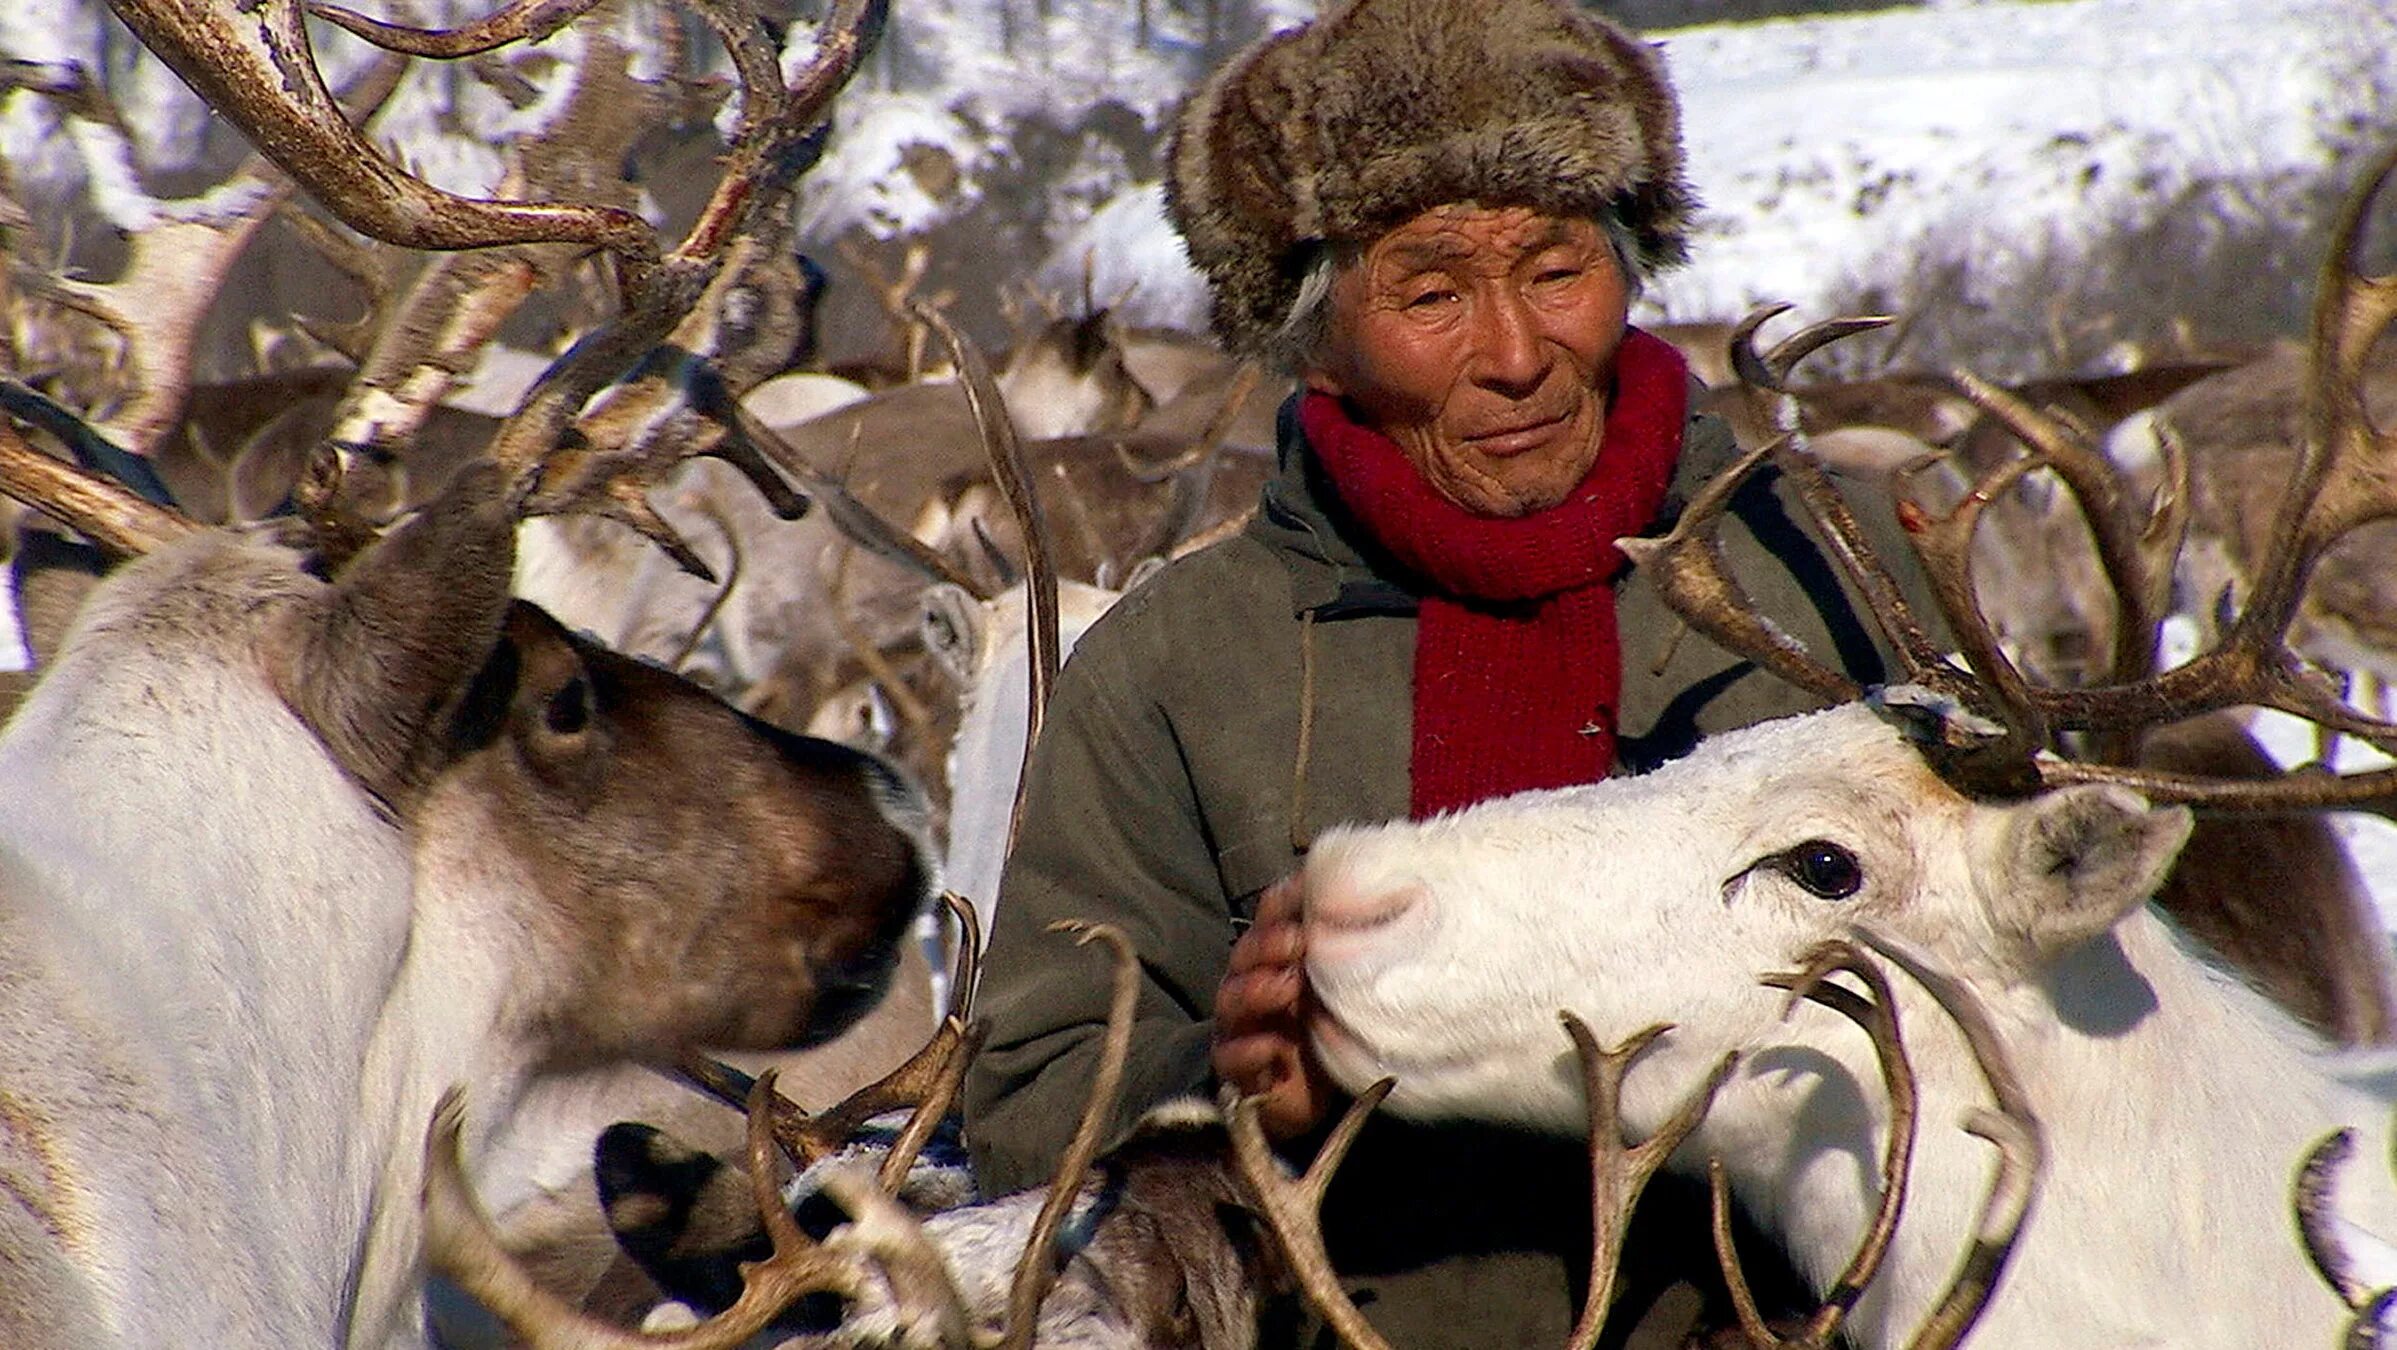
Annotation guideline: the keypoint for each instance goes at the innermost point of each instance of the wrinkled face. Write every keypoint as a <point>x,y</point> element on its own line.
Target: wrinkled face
<point>1483,341</point>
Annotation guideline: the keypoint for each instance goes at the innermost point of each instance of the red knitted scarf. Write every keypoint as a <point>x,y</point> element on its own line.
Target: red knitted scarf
<point>1517,664</point>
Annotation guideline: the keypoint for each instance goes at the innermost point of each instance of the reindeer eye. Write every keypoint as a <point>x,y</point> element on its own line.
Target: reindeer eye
<point>1823,868</point>
<point>569,709</point>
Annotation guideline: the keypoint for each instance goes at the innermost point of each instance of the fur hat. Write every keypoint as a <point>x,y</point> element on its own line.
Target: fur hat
<point>1339,129</point>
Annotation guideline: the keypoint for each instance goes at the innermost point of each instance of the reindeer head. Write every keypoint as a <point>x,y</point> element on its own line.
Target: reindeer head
<point>704,878</point>
<point>1441,951</point>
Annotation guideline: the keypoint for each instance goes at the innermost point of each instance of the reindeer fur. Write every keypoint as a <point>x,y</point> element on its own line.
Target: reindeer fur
<point>282,859</point>
<point>2176,1100</point>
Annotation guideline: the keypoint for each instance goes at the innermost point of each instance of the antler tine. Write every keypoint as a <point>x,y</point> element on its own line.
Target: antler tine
<point>1619,1175</point>
<point>254,66</point>
<point>176,269</point>
<point>2344,475</point>
<point>894,289</point>
<point>178,265</point>
<point>1037,1270</point>
<point>1015,484</point>
<point>928,1081</point>
<point>2128,561</point>
<point>734,563</point>
<point>1771,370</point>
<point>2013,1128</point>
<point>966,979</point>
<point>674,408</point>
<point>1695,580</point>
<point>2311,1201</point>
<point>1210,438</point>
<point>157,306</point>
<point>106,513</point>
<point>1944,546</point>
<point>65,83</point>
<point>461,1244</point>
<point>2317,1228</point>
<point>1293,1208</point>
<point>924,1294</point>
<point>1876,1014</point>
<point>354,257</point>
<point>857,522</point>
<point>770,154</point>
<point>1925,664</point>
<point>519,21</point>
<point>1698,584</point>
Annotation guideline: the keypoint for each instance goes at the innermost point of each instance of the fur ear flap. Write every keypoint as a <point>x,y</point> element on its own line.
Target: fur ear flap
<point>2071,864</point>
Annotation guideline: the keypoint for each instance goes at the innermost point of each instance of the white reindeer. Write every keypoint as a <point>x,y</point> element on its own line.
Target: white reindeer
<point>281,859</point>
<point>2176,1101</point>
<point>982,644</point>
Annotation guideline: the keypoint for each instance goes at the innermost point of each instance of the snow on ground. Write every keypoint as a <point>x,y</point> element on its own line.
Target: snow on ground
<point>1828,148</point>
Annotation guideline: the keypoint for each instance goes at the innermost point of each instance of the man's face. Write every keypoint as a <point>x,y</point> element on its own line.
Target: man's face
<point>1483,341</point>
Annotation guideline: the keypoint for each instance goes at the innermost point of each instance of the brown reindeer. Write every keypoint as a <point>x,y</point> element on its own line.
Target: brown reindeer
<point>446,828</point>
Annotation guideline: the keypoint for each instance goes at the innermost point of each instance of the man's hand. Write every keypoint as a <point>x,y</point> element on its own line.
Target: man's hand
<point>1260,1038</point>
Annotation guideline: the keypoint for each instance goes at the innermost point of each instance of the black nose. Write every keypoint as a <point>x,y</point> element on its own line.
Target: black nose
<point>846,993</point>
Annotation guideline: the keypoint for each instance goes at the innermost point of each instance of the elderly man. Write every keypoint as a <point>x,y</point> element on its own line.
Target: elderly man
<point>1435,213</point>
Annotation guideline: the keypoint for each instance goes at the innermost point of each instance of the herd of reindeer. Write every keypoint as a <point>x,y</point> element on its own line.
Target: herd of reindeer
<point>481,824</point>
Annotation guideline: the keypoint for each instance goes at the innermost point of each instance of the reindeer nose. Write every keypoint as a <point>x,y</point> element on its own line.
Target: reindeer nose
<point>1341,906</point>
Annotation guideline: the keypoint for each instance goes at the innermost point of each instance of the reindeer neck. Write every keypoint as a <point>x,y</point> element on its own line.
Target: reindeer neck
<point>2176,1105</point>
<point>447,1023</point>
<point>219,969</point>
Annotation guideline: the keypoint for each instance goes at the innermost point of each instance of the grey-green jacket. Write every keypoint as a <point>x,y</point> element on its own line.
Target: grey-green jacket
<point>1209,726</point>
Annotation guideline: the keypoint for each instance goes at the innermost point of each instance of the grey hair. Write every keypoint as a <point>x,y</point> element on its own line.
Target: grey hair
<point>1295,341</point>
<point>1302,332</point>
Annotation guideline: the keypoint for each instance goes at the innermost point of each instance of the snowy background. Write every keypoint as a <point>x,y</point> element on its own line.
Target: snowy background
<point>2033,187</point>
<point>2031,183</point>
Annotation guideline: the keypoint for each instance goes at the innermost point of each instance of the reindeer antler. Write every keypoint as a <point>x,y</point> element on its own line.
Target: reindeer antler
<point>253,64</point>
<point>1877,1015</point>
<point>461,1244</point>
<point>1292,1207</point>
<point>2011,1126</point>
<point>2317,1227</point>
<point>2346,478</point>
<point>1619,1175</point>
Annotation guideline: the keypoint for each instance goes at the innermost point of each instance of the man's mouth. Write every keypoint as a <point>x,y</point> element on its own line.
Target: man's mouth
<point>1517,437</point>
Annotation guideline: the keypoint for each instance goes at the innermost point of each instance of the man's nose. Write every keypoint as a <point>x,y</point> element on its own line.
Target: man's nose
<point>1508,355</point>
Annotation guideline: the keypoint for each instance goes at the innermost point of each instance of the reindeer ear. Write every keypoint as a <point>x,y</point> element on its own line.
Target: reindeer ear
<point>951,622</point>
<point>2072,863</point>
<point>371,661</point>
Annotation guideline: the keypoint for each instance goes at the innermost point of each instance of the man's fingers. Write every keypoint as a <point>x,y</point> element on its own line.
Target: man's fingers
<point>1246,1002</point>
<point>1268,944</point>
<point>1282,901</point>
<point>1256,1064</point>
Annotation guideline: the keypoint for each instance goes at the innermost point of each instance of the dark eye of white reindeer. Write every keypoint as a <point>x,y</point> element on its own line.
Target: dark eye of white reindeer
<point>1823,868</point>
<point>569,709</point>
